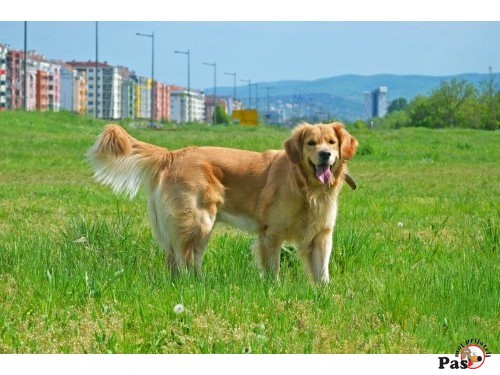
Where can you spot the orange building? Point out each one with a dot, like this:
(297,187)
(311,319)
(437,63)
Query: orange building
(42,90)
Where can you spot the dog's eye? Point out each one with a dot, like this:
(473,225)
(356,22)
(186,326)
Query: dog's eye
(332,142)
(311,143)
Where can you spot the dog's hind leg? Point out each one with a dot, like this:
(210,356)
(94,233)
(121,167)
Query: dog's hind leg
(205,224)
(159,218)
(191,228)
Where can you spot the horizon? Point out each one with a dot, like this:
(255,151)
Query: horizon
(269,51)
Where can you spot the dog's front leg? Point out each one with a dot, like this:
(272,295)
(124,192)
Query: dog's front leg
(267,250)
(316,256)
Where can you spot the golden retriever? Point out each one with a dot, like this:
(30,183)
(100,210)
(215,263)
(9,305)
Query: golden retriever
(283,196)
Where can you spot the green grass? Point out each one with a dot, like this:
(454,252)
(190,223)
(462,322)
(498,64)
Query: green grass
(81,273)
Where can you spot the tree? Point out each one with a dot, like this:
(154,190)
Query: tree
(420,112)
(221,117)
(453,104)
(399,104)
(450,101)
(396,120)
(490,103)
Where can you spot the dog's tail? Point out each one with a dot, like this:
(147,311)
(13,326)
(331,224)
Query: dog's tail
(124,163)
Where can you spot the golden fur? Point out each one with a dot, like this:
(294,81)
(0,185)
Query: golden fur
(282,196)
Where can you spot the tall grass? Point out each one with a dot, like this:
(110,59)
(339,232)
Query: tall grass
(414,267)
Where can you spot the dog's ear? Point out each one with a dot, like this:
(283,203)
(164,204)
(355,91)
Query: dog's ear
(465,353)
(293,146)
(348,144)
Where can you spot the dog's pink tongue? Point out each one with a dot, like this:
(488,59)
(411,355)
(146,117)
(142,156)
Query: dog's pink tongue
(323,173)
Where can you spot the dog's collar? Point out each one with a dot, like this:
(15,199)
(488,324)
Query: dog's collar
(350,181)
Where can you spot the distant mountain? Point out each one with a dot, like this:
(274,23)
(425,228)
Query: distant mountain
(345,93)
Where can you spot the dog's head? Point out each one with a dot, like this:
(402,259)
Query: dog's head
(473,357)
(318,149)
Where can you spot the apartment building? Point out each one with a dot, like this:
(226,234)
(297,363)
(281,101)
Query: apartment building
(42,82)
(128,92)
(142,105)
(3,77)
(73,89)
(179,106)
(104,88)
(14,98)
(162,101)
(79,86)
(47,76)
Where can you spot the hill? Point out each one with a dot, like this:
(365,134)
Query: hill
(343,95)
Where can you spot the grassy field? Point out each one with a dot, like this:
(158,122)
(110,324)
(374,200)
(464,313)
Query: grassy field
(415,265)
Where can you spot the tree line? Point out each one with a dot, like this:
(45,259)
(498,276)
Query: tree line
(454,104)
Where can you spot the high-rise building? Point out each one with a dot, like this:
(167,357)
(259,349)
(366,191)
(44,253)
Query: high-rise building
(376,102)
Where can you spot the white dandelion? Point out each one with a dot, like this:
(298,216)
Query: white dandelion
(179,308)
(400,224)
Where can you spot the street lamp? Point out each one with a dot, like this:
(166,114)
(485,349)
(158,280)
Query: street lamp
(214,64)
(188,53)
(152,36)
(249,81)
(234,86)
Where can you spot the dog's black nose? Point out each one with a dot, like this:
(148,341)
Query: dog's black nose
(479,358)
(325,155)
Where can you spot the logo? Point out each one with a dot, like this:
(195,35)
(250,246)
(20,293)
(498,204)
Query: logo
(470,355)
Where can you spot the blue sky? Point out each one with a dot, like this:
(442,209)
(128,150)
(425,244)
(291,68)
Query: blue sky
(269,51)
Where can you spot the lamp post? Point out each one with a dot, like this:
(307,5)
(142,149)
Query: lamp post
(267,104)
(188,54)
(234,84)
(249,81)
(214,64)
(152,36)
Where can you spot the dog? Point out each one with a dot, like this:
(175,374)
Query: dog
(283,196)
(471,357)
